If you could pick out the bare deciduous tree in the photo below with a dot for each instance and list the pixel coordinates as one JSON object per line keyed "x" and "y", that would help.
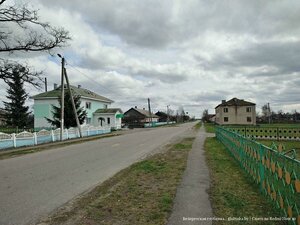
{"x": 37, "y": 36}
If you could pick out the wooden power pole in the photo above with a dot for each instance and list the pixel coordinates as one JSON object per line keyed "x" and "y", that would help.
{"x": 73, "y": 103}
{"x": 149, "y": 107}
{"x": 62, "y": 97}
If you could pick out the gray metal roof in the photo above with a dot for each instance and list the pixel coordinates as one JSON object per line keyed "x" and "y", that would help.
{"x": 236, "y": 102}
{"x": 82, "y": 92}
{"x": 111, "y": 110}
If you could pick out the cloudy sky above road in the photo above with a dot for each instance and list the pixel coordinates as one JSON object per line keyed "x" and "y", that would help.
{"x": 188, "y": 53}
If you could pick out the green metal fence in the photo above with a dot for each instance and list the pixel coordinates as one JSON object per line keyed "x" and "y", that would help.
{"x": 269, "y": 133}
{"x": 277, "y": 174}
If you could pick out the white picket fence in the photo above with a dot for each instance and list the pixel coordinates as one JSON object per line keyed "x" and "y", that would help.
{"x": 45, "y": 136}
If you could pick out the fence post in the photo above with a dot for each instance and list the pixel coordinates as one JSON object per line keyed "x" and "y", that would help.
{"x": 14, "y": 140}
{"x": 35, "y": 138}
{"x": 52, "y": 135}
{"x": 261, "y": 168}
{"x": 67, "y": 133}
{"x": 77, "y": 132}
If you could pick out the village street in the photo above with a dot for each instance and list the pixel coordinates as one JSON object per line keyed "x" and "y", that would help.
{"x": 34, "y": 185}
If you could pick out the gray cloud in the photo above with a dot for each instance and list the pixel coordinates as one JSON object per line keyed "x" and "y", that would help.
{"x": 159, "y": 23}
{"x": 264, "y": 59}
{"x": 210, "y": 96}
{"x": 192, "y": 53}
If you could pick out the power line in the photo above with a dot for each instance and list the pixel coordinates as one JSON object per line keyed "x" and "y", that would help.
{"x": 93, "y": 80}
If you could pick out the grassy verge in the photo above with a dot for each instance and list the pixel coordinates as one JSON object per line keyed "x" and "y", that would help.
{"x": 198, "y": 125}
{"x": 209, "y": 127}
{"x": 232, "y": 193}
{"x": 287, "y": 144}
{"x": 5, "y": 154}
{"x": 142, "y": 194}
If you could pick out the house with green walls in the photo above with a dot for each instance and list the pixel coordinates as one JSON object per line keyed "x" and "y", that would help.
{"x": 97, "y": 107}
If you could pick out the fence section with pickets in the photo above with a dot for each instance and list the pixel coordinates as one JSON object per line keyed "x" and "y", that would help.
{"x": 268, "y": 133}
{"x": 277, "y": 173}
{"x": 44, "y": 136}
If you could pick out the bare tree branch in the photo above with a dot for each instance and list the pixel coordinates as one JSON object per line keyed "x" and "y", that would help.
{"x": 36, "y": 36}
{"x": 27, "y": 20}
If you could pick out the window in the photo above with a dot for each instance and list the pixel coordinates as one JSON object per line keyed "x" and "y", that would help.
{"x": 225, "y": 119}
{"x": 108, "y": 120}
{"x": 88, "y": 120}
{"x": 248, "y": 109}
{"x": 248, "y": 119}
{"x": 88, "y": 105}
{"x": 225, "y": 110}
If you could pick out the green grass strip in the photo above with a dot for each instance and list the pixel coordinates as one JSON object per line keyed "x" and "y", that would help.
{"x": 209, "y": 127}
{"x": 232, "y": 192}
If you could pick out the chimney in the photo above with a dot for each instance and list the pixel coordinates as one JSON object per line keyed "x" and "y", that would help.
{"x": 135, "y": 107}
{"x": 79, "y": 86}
{"x": 55, "y": 86}
{"x": 46, "y": 84}
{"x": 223, "y": 101}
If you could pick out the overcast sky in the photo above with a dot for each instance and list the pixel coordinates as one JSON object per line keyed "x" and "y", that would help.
{"x": 188, "y": 53}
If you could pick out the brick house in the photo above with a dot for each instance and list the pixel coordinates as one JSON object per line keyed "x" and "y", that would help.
{"x": 236, "y": 111}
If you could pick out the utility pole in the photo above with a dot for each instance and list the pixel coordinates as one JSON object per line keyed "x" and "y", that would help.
{"x": 62, "y": 97}
{"x": 168, "y": 114}
{"x": 149, "y": 107}
{"x": 73, "y": 104}
{"x": 269, "y": 112}
{"x": 46, "y": 84}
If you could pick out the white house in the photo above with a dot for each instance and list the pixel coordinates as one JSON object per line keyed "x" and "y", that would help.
{"x": 90, "y": 101}
{"x": 108, "y": 117}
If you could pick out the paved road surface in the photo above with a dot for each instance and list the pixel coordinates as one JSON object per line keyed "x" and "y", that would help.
{"x": 34, "y": 185}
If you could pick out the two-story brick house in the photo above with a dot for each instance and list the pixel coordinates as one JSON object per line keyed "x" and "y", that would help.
{"x": 236, "y": 111}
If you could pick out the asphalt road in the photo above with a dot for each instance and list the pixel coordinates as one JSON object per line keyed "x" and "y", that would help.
{"x": 34, "y": 185}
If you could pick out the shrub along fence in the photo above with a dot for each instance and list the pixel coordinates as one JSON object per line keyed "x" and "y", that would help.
{"x": 269, "y": 133}
{"x": 44, "y": 136}
{"x": 277, "y": 173}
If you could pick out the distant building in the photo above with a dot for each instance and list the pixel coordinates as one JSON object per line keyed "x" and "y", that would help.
{"x": 211, "y": 118}
{"x": 163, "y": 117}
{"x": 236, "y": 111}
{"x": 90, "y": 101}
{"x": 135, "y": 117}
